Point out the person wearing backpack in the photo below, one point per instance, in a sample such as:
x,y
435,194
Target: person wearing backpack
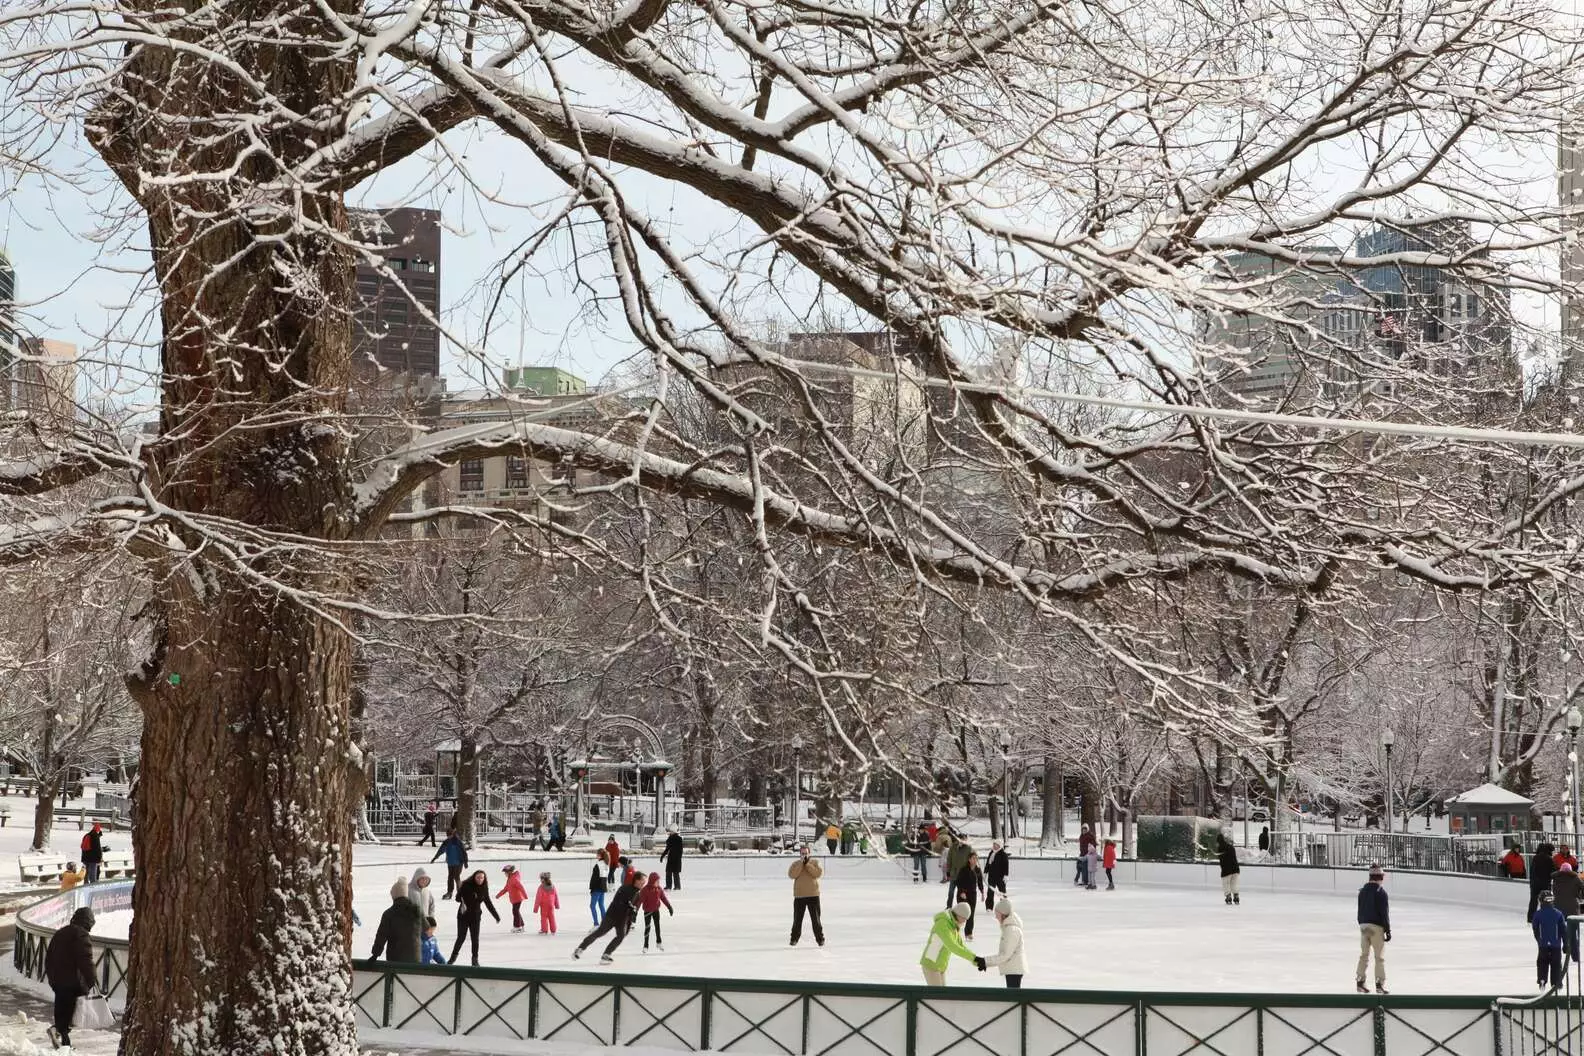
x,y
93,852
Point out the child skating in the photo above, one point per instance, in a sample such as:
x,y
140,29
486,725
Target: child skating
x,y
1109,862
597,885
652,899
546,902
516,894
431,946
1092,867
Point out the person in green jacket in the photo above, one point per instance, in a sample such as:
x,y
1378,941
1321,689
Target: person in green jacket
x,y
849,836
956,858
943,943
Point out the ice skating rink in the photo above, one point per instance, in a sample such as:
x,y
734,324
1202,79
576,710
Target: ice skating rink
x,y
1138,937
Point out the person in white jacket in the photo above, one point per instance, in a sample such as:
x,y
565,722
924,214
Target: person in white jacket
x,y
419,894
1010,957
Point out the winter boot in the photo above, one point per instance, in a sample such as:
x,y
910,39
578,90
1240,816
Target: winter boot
x,y
1359,983
1237,899
55,1038
1229,900
1380,988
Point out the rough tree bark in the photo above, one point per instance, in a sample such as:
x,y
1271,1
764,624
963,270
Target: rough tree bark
x,y
241,928
467,789
1050,822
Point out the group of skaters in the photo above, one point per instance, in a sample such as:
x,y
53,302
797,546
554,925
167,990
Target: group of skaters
x,y
540,820
406,931
1554,894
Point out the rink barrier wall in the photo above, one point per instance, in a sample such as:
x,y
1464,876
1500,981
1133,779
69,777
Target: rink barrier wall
x,y
37,922
777,1018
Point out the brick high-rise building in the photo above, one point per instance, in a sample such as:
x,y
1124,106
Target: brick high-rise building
x,y
391,334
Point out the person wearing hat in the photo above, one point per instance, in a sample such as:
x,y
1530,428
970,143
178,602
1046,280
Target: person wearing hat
x,y
673,860
997,869
1550,932
1374,920
1009,957
1565,893
400,930
516,894
69,968
945,942
805,875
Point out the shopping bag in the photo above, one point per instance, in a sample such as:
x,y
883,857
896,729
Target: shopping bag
x,y
93,1013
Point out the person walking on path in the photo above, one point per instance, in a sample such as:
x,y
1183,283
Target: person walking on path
x,y
1264,837
516,894
536,821
944,943
546,902
805,875
1541,866
69,970
918,846
849,837
673,860
400,932
418,894
597,885
969,886
1010,957
1550,932
93,852
1230,871
1565,890
613,856
431,812
956,858
1512,863
651,899
473,898
555,834
1108,860
456,857
1086,840
997,869
1374,920
832,838
618,919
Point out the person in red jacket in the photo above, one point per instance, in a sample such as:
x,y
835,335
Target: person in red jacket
x,y
546,902
1513,863
516,894
1564,855
651,899
1108,863
612,857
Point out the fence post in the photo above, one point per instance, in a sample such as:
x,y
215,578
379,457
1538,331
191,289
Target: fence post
x,y
707,1001
533,1009
389,1000
912,1024
1380,1029
1140,1042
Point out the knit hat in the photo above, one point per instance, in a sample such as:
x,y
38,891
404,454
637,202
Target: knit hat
x,y
1003,907
509,869
1377,873
399,888
1546,896
962,911
544,877
1567,867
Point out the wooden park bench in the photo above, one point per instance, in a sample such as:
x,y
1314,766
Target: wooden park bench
x,y
40,869
118,866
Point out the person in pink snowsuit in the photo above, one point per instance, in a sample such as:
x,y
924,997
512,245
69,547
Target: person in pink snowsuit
x,y
516,894
546,902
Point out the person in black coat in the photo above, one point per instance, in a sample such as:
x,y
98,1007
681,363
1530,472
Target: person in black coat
x,y
69,968
968,885
1541,866
1264,839
997,869
1230,871
429,816
673,861
619,918
93,852
400,930
473,898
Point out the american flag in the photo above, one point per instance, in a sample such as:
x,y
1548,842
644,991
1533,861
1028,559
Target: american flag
x,y
1386,325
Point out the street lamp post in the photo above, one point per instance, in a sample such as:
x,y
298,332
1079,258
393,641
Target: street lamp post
x,y
797,785
1007,827
1387,737
1575,719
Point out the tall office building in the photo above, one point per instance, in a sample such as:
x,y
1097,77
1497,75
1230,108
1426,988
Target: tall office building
x,y
1258,356
391,334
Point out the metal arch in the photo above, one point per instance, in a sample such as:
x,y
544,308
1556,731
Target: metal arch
x,y
632,724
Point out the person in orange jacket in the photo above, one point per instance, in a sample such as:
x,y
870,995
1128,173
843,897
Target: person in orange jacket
x,y
546,902
1513,864
1565,855
516,894
1108,863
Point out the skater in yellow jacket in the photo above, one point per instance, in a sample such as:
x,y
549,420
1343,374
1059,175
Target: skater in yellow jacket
x,y
943,943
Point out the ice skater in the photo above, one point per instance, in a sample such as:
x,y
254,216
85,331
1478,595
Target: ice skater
x,y
418,894
1565,890
997,869
619,918
1085,841
1092,867
1541,866
613,856
1010,957
1374,920
1230,871
516,894
673,860
944,943
968,886
1109,862
456,857
805,875
546,902
400,932
431,812
597,885
473,898
650,900
1550,932
956,858
919,847
431,945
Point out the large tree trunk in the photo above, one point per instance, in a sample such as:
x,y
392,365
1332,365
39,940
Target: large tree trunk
x,y
241,930
467,789
1051,821
44,808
